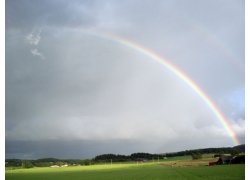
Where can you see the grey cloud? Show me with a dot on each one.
(52, 13)
(90, 149)
(97, 93)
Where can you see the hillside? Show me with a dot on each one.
(240, 148)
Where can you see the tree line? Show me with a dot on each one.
(122, 158)
(225, 150)
(107, 158)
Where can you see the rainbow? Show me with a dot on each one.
(172, 68)
(163, 62)
(231, 57)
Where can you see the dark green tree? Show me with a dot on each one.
(86, 162)
(234, 152)
(196, 155)
(60, 163)
(221, 153)
(27, 164)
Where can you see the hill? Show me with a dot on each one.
(240, 148)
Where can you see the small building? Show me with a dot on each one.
(141, 159)
(212, 163)
(54, 166)
(226, 160)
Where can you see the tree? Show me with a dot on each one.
(234, 152)
(221, 153)
(196, 155)
(86, 162)
(60, 163)
(217, 155)
(27, 164)
(81, 162)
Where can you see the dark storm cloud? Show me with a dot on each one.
(70, 149)
(28, 14)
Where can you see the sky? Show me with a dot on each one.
(79, 82)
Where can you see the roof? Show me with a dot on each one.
(227, 158)
(141, 159)
(230, 157)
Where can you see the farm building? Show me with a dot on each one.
(212, 163)
(54, 166)
(226, 160)
(141, 159)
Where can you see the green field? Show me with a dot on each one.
(132, 170)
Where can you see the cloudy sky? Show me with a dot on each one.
(74, 90)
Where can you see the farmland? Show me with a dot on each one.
(171, 168)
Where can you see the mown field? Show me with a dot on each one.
(172, 168)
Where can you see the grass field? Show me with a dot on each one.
(172, 168)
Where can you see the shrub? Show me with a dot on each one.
(197, 156)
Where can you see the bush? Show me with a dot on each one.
(86, 162)
(197, 156)
(234, 152)
(27, 164)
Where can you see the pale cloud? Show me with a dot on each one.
(238, 127)
(34, 37)
(35, 52)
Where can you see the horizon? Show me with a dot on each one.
(125, 155)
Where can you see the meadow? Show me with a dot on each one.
(172, 168)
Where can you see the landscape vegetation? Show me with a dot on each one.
(188, 164)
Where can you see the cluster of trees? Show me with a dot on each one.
(196, 154)
(19, 163)
(233, 152)
(121, 158)
(115, 158)
(13, 162)
(85, 162)
(146, 155)
(226, 150)
(45, 162)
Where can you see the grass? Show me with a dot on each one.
(185, 161)
(171, 168)
(132, 172)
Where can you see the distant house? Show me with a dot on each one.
(54, 166)
(226, 160)
(212, 163)
(141, 159)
